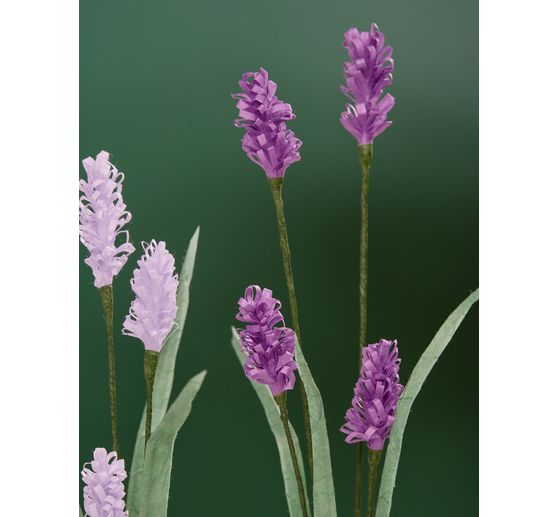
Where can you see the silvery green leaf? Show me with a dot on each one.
(274, 420)
(164, 376)
(323, 488)
(158, 456)
(418, 376)
(133, 499)
(165, 367)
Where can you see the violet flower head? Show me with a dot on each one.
(155, 284)
(367, 73)
(376, 394)
(103, 493)
(268, 344)
(267, 141)
(102, 217)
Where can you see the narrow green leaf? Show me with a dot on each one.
(158, 456)
(323, 489)
(164, 376)
(80, 512)
(418, 376)
(133, 499)
(274, 419)
(167, 359)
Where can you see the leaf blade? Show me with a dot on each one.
(323, 488)
(274, 420)
(416, 380)
(160, 448)
(164, 376)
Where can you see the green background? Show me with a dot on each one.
(156, 79)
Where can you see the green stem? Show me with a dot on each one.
(108, 308)
(282, 403)
(276, 185)
(365, 161)
(358, 480)
(373, 462)
(150, 359)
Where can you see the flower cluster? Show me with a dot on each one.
(267, 343)
(103, 493)
(102, 217)
(267, 141)
(366, 75)
(155, 285)
(376, 394)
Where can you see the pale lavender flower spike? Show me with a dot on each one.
(103, 493)
(267, 141)
(155, 284)
(267, 343)
(366, 75)
(376, 394)
(102, 217)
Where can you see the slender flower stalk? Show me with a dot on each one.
(282, 403)
(153, 311)
(372, 413)
(365, 160)
(103, 493)
(108, 311)
(367, 73)
(270, 358)
(374, 458)
(276, 185)
(102, 218)
(150, 360)
(269, 144)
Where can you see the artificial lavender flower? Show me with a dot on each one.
(367, 73)
(267, 141)
(155, 284)
(376, 394)
(103, 493)
(102, 217)
(267, 343)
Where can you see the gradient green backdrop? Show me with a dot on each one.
(156, 79)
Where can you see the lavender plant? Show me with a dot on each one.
(372, 412)
(160, 306)
(381, 405)
(153, 311)
(367, 73)
(268, 143)
(102, 218)
(268, 349)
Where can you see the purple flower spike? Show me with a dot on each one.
(267, 343)
(366, 75)
(376, 394)
(103, 493)
(267, 141)
(155, 284)
(102, 217)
